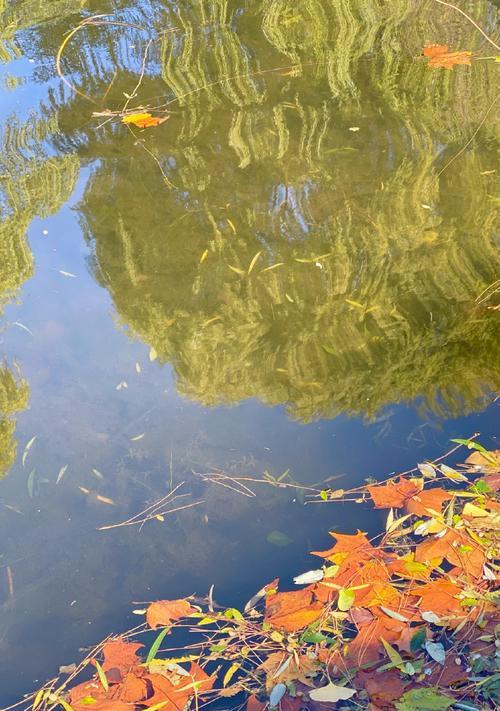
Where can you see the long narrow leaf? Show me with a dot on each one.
(156, 644)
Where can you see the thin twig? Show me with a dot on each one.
(454, 7)
(471, 138)
(141, 77)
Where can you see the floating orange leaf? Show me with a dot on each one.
(101, 705)
(439, 56)
(439, 596)
(407, 567)
(457, 548)
(120, 657)
(143, 120)
(366, 647)
(132, 689)
(394, 494)
(164, 612)
(297, 668)
(177, 695)
(292, 611)
(346, 546)
(427, 499)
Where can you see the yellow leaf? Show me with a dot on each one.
(143, 120)
(236, 270)
(273, 266)
(204, 256)
(38, 698)
(132, 118)
(211, 320)
(253, 262)
(230, 673)
(153, 355)
(473, 510)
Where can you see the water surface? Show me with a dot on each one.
(284, 275)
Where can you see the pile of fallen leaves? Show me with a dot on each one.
(406, 621)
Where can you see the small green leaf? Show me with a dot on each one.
(423, 699)
(100, 673)
(312, 637)
(470, 444)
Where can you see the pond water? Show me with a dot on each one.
(284, 275)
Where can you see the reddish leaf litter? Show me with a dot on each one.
(407, 621)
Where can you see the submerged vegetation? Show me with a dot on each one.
(407, 620)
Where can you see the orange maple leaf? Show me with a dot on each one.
(458, 549)
(164, 612)
(439, 56)
(299, 667)
(292, 611)
(101, 705)
(366, 647)
(120, 657)
(132, 689)
(407, 567)
(347, 546)
(392, 495)
(439, 596)
(92, 688)
(178, 695)
(427, 499)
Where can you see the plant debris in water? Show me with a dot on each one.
(406, 621)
